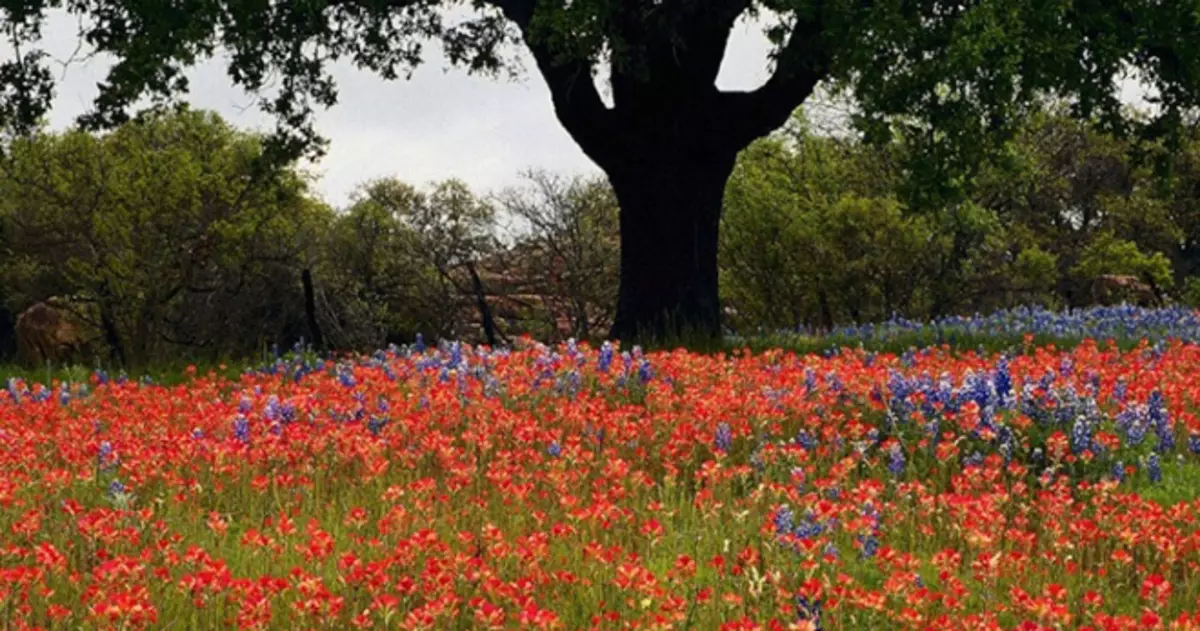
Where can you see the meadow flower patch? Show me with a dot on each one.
(573, 487)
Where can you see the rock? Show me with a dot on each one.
(47, 332)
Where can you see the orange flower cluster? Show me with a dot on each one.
(582, 488)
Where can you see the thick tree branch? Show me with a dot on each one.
(801, 65)
(577, 102)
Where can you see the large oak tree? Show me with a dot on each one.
(948, 74)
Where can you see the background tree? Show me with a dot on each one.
(413, 260)
(949, 77)
(566, 247)
(161, 228)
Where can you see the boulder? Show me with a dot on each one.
(1111, 289)
(48, 332)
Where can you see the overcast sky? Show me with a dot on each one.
(442, 123)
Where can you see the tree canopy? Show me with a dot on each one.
(951, 77)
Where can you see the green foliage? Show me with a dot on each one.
(1110, 255)
(820, 231)
(398, 261)
(947, 77)
(162, 227)
(951, 81)
(1035, 274)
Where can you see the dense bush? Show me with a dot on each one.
(169, 241)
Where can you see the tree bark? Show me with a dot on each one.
(669, 218)
(310, 309)
(668, 144)
(485, 310)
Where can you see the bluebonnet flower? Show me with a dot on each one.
(197, 433)
(241, 428)
(806, 440)
(831, 550)
(808, 527)
(116, 489)
(917, 581)
(896, 461)
(723, 439)
(1194, 443)
(1081, 435)
(1002, 381)
(810, 380)
(604, 361)
(1118, 471)
(376, 423)
(1156, 413)
(870, 545)
(555, 450)
(645, 372)
(419, 345)
(1119, 389)
(784, 521)
(973, 460)
(245, 405)
(1153, 469)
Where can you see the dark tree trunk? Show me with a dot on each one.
(8, 334)
(485, 310)
(310, 309)
(826, 311)
(108, 325)
(668, 144)
(670, 216)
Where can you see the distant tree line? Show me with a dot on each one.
(163, 239)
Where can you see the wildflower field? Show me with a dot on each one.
(594, 488)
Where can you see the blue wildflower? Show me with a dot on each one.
(376, 423)
(870, 545)
(645, 372)
(241, 428)
(555, 450)
(806, 440)
(604, 361)
(784, 521)
(1003, 381)
(1153, 469)
(723, 439)
(896, 461)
